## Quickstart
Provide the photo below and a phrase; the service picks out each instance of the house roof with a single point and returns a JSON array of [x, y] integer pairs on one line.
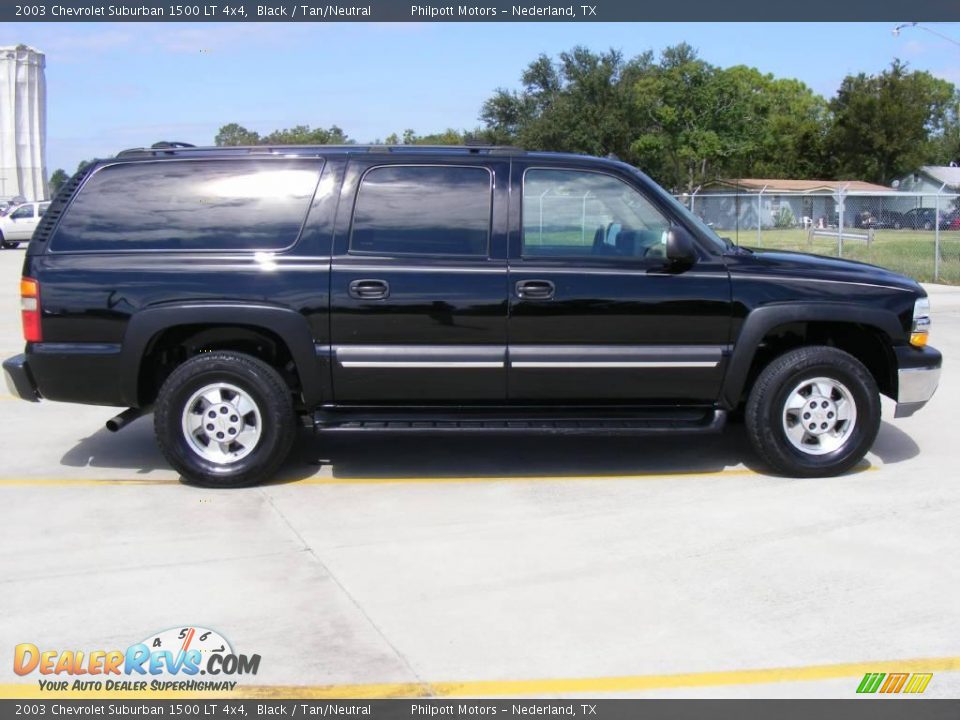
[[783, 185], [943, 174]]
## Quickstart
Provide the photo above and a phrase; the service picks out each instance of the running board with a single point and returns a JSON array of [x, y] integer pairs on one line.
[[613, 424]]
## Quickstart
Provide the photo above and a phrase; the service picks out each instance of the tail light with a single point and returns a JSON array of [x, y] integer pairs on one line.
[[30, 309]]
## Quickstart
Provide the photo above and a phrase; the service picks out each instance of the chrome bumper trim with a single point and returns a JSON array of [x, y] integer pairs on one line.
[[915, 387]]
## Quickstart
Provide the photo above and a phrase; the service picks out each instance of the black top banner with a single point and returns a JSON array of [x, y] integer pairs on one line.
[[478, 11]]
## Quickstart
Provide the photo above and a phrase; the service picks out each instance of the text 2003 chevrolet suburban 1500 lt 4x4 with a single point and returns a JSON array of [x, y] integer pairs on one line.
[[235, 291]]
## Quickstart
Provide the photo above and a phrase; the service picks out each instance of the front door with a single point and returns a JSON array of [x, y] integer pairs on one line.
[[597, 315], [418, 285]]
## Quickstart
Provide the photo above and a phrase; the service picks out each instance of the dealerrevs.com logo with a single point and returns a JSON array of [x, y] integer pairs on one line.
[[170, 660]]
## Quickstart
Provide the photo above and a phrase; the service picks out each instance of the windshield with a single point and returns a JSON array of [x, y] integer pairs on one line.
[[682, 210]]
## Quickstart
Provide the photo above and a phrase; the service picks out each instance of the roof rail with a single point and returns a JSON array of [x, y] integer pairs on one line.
[[176, 148]]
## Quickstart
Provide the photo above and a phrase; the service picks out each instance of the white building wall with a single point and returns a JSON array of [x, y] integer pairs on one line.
[[23, 123]]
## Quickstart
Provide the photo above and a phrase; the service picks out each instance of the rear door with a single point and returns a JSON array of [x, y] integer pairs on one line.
[[418, 281], [597, 315]]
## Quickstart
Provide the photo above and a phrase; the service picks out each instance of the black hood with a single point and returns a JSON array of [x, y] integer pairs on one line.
[[784, 263]]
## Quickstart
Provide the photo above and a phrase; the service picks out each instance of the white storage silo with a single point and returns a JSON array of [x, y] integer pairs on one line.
[[23, 123]]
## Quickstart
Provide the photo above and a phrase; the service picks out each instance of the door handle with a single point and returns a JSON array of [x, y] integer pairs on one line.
[[535, 289], [369, 289]]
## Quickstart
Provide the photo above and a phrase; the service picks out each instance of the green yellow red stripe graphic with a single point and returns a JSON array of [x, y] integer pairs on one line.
[[889, 683]]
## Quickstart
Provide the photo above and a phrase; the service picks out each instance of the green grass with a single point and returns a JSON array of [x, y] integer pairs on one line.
[[910, 252]]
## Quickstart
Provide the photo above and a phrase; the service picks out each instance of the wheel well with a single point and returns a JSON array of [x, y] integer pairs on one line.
[[173, 346], [868, 344]]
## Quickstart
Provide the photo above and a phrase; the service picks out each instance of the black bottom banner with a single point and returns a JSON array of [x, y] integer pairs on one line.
[[854, 709]]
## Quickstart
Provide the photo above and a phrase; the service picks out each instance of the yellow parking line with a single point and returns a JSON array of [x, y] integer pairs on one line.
[[83, 482], [319, 480], [527, 688]]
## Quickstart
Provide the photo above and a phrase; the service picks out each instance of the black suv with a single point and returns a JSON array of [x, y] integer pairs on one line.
[[237, 291]]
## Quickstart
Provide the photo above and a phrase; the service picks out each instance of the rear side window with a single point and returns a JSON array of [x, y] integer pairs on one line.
[[422, 210], [190, 205]]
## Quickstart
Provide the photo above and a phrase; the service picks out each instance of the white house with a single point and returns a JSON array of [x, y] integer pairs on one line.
[[779, 202], [932, 180]]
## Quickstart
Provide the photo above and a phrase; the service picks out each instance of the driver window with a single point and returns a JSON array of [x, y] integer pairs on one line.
[[570, 213], [22, 213]]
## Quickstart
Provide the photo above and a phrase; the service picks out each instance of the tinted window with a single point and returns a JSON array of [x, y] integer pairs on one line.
[[190, 205], [422, 210], [584, 214], [22, 213], [41, 209]]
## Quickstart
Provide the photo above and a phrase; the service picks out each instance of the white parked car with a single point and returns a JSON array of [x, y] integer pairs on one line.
[[17, 225]]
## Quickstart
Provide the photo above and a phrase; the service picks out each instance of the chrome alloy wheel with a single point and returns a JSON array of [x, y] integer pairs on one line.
[[221, 423], [819, 416]]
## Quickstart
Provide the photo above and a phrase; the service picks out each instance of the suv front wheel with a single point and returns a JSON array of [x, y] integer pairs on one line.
[[225, 419], [813, 412]]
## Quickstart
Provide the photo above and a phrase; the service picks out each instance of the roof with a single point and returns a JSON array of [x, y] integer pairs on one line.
[[784, 185], [943, 174]]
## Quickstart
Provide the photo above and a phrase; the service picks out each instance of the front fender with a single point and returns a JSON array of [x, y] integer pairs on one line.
[[762, 320]]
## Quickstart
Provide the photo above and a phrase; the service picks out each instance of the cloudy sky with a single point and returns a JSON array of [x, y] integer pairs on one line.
[[117, 85]]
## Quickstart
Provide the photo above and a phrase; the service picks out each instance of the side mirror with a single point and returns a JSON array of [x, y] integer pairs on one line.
[[681, 247]]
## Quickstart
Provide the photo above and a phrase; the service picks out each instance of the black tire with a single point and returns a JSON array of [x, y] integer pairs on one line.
[[7, 245], [765, 411], [262, 384]]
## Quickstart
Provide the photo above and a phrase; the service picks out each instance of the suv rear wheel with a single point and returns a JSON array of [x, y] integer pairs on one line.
[[225, 419], [813, 412]]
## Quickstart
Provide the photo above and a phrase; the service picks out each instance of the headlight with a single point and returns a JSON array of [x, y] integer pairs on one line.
[[921, 322]]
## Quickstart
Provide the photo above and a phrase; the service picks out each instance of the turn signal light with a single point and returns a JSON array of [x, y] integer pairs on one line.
[[30, 309], [918, 339]]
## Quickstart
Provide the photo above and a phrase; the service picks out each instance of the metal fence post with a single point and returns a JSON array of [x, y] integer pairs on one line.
[[759, 210], [841, 197], [936, 237]]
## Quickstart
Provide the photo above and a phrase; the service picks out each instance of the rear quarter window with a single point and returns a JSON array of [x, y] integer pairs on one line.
[[190, 205]]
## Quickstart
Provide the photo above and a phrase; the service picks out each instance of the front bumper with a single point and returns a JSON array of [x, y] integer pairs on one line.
[[918, 375], [19, 381]]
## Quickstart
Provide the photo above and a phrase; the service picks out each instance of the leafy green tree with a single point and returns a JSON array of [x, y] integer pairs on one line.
[[233, 134], [305, 135], [57, 178], [679, 118], [889, 124], [581, 103]]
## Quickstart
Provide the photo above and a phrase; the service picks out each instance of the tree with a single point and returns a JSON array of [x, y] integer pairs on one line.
[[233, 134], [579, 104], [889, 124], [58, 178], [679, 118]]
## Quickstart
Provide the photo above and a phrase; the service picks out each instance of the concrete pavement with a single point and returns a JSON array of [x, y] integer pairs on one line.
[[549, 567]]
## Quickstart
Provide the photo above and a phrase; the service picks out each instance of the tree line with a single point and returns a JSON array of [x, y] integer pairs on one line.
[[686, 122]]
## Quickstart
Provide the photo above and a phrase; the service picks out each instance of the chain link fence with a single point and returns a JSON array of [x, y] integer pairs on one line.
[[917, 234]]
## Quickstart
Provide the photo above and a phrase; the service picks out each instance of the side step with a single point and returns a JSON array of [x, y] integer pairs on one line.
[[701, 423]]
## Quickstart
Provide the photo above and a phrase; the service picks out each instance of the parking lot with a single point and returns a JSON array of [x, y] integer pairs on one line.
[[493, 567]]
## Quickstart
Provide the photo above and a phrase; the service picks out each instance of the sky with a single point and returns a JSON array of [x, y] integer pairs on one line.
[[112, 86]]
